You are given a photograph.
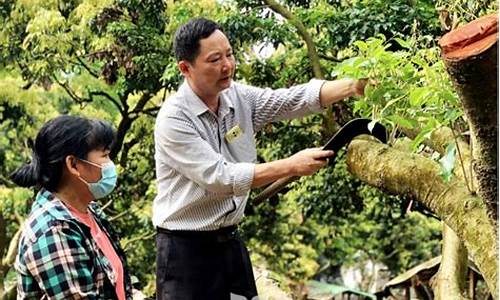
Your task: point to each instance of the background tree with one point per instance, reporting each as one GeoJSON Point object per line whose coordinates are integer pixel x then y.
{"type": "Point", "coordinates": [113, 60]}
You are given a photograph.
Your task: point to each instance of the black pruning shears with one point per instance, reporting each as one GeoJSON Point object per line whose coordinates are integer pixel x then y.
{"type": "Point", "coordinates": [340, 139]}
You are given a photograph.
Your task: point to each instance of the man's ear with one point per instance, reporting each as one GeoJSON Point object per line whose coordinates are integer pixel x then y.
{"type": "Point", "coordinates": [184, 67]}
{"type": "Point", "coordinates": [71, 165]}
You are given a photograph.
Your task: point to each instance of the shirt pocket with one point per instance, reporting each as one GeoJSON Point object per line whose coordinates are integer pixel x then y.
{"type": "Point", "coordinates": [243, 148]}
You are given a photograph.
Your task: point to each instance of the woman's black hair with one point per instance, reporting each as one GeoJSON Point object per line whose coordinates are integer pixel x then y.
{"type": "Point", "coordinates": [62, 136]}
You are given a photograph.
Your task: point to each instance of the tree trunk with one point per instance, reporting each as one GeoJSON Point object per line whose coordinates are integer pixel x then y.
{"type": "Point", "coordinates": [449, 281]}
{"type": "Point", "coordinates": [451, 277]}
{"type": "Point", "coordinates": [470, 54]}
{"type": "Point", "coordinates": [465, 213]}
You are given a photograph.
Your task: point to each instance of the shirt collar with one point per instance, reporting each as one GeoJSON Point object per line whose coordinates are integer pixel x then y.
{"type": "Point", "coordinates": [56, 208]}
{"type": "Point", "coordinates": [198, 107]}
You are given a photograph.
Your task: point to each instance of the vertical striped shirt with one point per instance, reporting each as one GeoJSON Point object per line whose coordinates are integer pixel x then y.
{"type": "Point", "coordinates": [203, 174]}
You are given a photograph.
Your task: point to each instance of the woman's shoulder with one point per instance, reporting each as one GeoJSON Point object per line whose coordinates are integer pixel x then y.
{"type": "Point", "coordinates": [47, 216]}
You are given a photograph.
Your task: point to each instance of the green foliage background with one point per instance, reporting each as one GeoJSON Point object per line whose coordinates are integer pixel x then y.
{"type": "Point", "coordinates": [113, 60]}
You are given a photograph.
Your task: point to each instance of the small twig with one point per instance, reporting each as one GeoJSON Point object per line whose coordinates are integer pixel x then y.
{"type": "Point", "coordinates": [151, 110]}
{"type": "Point", "coordinates": [5, 181]}
{"type": "Point", "coordinates": [95, 75]}
{"type": "Point", "coordinates": [70, 92]}
{"type": "Point", "coordinates": [118, 215]}
{"type": "Point", "coordinates": [107, 204]}
{"type": "Point", "coordinates": [461, 160]}
{"type": "Point", "coordinates": [330, 58]}
{"type": "Point", "coordinates": [138, 238]}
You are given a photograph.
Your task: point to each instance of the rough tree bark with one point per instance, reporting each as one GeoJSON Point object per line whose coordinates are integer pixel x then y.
{"type": "Point", "coordinates": [470, 54]}
{"type": "Point", "coordinates": [466, 214]}
{"type": "Point", "coordinates": [449, 282]}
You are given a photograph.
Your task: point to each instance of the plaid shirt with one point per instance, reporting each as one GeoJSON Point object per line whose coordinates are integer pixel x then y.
{"type": "Point", "coordinates": [58, 258]}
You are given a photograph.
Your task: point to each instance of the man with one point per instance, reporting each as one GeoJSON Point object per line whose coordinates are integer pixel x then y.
{"type": "Point", "coordinates": [206, 163]}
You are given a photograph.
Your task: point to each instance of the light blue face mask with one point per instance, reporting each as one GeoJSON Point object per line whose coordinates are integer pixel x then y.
{"type": "Point", "coordinates": [106, 184]}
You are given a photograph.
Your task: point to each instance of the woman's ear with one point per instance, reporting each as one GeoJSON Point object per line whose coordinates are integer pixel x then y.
{"type": "Point", "coordinates": [71, 165]}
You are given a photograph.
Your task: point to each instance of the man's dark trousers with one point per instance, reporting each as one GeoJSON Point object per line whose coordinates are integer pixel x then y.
{"type": "Point", "coordinates": [202, 265]}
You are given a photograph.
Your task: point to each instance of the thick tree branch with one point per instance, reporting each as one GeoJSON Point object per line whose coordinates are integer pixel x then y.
{"type": "Point", "coordinates": [439, 140]}
{"type": "Point", "coordinates": [449, 281]}
{"type": "Point", "coordinates": [139, 107]}
{"type": "Point", "coordinates": [466, 214]}
{"type": "Point", "coordinates": [126, 123]}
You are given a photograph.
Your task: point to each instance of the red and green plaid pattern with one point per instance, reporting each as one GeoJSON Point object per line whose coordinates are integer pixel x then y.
{"type": "Point", "coordinates": [58, 259]}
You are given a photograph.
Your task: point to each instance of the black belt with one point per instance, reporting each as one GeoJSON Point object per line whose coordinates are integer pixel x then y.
{"type": "Point", "coordinates": [220, 235]}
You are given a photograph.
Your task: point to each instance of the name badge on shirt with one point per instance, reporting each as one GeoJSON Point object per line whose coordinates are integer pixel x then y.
{"type": "Point", "coordinates": [233, 134]}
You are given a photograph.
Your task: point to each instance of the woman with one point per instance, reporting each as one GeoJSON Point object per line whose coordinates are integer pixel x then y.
{"type": "Point", "coordinates": [67, 249]}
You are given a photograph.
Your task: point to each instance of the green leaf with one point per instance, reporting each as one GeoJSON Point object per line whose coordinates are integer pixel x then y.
{"type": "Point", "coordinates": [417, 96]}
{"type": "Point", "coordinates": [403, 122]}
{"type": "Point", "coordinates": [403, 43]}
{"type": "Point", "coordinates": [447, 162]}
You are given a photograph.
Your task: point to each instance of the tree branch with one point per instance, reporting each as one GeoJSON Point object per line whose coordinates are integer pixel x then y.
{"type": "Point", "coordinates": [311, 48]}
{"type": "Point", "coordinates": [107, 96]}
{"type": "Point", "coordinates": [126, 148]}
{"type": "Point", "coordinates": [439, 140]}
{"type": "Point", "coordinates": [464, 213]}
{"type": "Point", "coordinates": [70, 92]}
{"type": "Point", "coordinates": [449, 281]}
{"type": "Point", "coordinates": [89, 99]}
{"type": "Point", "coordinates": [330, 58]}
{"type": "Point", "coordinates": [139, 107]}
{"type": "Point", "coordinates": [10, 256]}
{"type": "Point", "coordinates": [144, 236]}
{"type": "Point", "coordinates": [84, 65]}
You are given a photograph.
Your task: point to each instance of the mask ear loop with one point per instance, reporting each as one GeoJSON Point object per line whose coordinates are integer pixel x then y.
{"type": "Point", "coordinates": [92, 163]}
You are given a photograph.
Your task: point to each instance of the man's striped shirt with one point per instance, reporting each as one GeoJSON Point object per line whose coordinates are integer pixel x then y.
{"type": "Point", "coordinates": [204, 176]}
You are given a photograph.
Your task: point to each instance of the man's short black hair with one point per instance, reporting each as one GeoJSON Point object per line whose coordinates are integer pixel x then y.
{"type": "Point", "coordinates": [187, 37]}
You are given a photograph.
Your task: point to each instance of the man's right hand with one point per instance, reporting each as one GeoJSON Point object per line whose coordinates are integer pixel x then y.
{"type": "Point", "coordinates": [308, 161]}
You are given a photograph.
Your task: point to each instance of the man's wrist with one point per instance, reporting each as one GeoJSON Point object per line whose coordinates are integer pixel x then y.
{"type": "Point", "coordinates": [289, 166]}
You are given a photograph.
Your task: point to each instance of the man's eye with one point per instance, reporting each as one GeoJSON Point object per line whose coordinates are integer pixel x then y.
{"type": "Point", "coordinates": [214, 60]}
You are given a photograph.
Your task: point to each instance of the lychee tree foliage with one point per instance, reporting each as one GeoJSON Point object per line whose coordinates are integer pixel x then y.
{"type": "Point", "coordinates": [113, 60]}
{"type": "Point", "coordinates": [337, 216]}
{"type": "Point", "coordinates": [104, 59]}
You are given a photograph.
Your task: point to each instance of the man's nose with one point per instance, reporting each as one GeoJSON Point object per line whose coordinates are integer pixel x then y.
{"type": "Point", "coordinates": [227, 64]}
